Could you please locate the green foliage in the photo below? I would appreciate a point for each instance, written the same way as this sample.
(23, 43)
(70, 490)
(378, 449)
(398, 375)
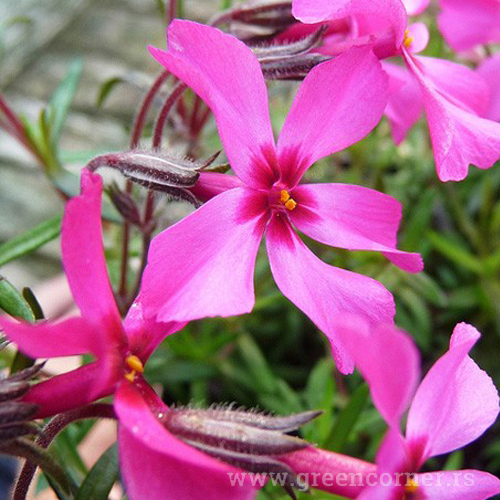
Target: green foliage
(31, 240)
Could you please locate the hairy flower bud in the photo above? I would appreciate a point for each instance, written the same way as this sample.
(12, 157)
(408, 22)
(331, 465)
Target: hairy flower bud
(14, 414)
(291, 68)
(277, 51)
(125, 205)
(246, 439)
(257, 19)
(156, 171)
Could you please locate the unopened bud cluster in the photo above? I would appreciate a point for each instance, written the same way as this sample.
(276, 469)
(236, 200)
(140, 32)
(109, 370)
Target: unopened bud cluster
(14, 414)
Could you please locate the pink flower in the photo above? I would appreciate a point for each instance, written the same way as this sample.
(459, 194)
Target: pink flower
(155, 465)
(489, 69)
(203, 265)
(455, 98)
(120, 348)
(453, 405)
(467, 24)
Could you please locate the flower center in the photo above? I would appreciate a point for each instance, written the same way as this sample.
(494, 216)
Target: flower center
(408, 39)
(411, 488)
(135, 365)
(287, 200)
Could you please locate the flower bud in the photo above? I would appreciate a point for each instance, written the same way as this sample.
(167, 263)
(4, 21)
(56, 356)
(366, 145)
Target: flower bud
(260, 19)
(156, 171)
(125, 205)
(246, 439)
(291, 68)
(14, 414)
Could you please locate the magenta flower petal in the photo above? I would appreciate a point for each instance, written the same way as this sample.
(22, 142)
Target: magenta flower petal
(338, 103)
(225, 73)
(211, 184)
(459, 137)
(322, 291)
(47, 340)
(458, 485)
(405, 104)
(155, 465)
(392, 458)
(420, 35)
(489, 69)
(457, 83)
(203, 265)
(83, 257)
(352, 217)
(145, 334)
(390, 12)
(455, 403)
(465, 24)
(376, 351)
(415, 7)
(70, 390)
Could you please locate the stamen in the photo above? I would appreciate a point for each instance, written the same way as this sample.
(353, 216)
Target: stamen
(135, 363)
(411, 486)
(408, 39)
(287, 200)
(284, 196)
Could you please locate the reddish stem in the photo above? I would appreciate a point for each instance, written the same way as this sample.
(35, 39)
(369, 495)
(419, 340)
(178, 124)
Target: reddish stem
(172, 11)
(16, 128)
(50, 431)
(143, 110)
(12, 118)
(149, 208)
(137, 129)
(164, 112)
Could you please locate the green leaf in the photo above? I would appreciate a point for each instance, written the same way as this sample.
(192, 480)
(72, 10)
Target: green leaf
(419, 219)
(12, 302)
(320, 385)
(106, 89)
(421, 322)
(257, 366)
(455, 461)
(427, 287)
(30, 240)
(62, 98)
(347, 419)
(454, 252)
(101, 477)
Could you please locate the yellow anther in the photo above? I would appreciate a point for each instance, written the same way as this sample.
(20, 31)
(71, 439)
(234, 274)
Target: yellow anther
(290, 204)
(135, 363)
(284, 196)
(411, 486)
(408, 39)
(130, 376)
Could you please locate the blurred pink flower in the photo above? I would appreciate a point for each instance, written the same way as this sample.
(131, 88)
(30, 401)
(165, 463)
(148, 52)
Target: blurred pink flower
(203, 265)
(454, 97)
(489, 69)
(120, 348)
(465, 24)
(453, 405)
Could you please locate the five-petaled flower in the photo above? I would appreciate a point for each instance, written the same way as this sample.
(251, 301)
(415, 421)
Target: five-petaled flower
(454, 97)
(203, 266)
(120, 348)
(453, 405)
